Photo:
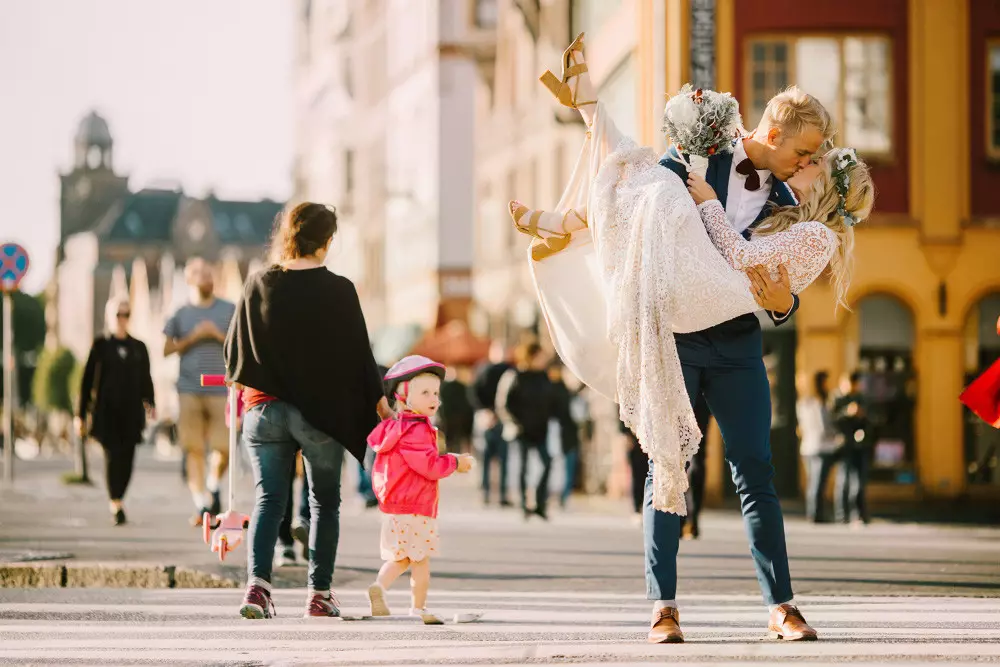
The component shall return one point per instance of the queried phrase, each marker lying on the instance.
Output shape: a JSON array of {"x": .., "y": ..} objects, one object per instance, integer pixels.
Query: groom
[{"x": 724, "y": 364}]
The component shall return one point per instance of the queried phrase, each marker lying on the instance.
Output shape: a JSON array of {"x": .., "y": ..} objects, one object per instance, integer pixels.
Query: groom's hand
[{"x": 772, "y": 295}]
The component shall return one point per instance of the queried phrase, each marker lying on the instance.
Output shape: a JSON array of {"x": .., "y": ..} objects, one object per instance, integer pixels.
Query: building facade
[
  {"x": 116, "y": 242},
  {"x": 386, "y": 100}
]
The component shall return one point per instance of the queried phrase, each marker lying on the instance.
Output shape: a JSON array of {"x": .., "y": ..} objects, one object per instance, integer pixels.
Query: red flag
[{"x": 983, "y": 395}]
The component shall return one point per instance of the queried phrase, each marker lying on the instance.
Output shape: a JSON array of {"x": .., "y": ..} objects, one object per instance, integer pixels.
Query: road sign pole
[{"x": 8, "y": 391}]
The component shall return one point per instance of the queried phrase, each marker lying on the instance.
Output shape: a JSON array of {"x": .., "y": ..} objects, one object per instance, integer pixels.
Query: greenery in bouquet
[{"x": 702, "y": 122}]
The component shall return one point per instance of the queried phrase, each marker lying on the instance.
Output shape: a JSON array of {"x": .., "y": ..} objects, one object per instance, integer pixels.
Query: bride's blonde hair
[{"x": 823, "y": 204}]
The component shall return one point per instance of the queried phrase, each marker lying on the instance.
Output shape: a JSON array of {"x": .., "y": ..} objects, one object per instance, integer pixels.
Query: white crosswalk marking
[{"x": 201, "y": 627}]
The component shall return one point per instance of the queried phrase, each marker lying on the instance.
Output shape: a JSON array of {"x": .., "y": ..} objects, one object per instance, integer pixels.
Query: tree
[
  {"x": 53, "y": 390},
  {"x": 29, "y": 335}
]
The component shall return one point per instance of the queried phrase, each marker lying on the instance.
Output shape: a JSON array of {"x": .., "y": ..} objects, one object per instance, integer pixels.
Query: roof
[
  {"x": 147, "y": 215},
  {"x": 93, "y": 131},
  {"x": 244, "y": 223}
]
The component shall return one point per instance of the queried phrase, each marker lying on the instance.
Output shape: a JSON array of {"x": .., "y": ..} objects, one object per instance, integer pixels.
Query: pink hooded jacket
[{"x": 408, "y": 466}]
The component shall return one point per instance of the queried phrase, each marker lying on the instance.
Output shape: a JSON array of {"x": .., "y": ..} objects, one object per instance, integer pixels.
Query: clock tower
[{"x": 92, "y": 188}]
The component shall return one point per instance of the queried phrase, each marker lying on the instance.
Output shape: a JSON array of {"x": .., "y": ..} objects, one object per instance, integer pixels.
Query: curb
[{"x": 108, "y": 575}]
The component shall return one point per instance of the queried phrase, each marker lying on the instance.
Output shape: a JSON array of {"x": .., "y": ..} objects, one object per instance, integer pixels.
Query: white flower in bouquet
[
  {"x": 702, "y": 122},
  {"x": 681, "y": 110}
]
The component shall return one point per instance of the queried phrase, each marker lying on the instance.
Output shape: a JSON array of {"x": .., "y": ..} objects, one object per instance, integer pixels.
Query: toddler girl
[{"x": 405, "y": 479}]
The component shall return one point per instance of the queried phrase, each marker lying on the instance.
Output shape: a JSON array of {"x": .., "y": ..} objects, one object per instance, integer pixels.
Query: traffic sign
[{"x": 13, "y": 265}]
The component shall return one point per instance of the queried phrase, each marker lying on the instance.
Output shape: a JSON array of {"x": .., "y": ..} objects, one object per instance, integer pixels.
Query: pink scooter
[{"x": 230, "y": 527}]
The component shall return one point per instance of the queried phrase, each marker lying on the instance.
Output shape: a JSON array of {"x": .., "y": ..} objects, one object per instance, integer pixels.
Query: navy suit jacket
[{"x": 739, "y": 337}]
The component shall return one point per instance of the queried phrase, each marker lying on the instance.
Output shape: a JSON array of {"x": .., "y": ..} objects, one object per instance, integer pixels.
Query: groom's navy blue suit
[{"x": 725, "y": 365}]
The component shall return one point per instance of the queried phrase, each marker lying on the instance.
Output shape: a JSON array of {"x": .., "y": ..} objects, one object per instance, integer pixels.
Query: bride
[{"x": 634, "y": 255}]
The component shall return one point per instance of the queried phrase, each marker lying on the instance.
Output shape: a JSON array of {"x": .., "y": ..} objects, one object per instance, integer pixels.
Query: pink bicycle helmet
[{"x": 407, "y": 368}]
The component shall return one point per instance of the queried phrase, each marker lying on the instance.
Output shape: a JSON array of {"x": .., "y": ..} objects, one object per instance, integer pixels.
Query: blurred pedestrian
[
  {"x": 638, "y": 463},
  {"x": 695, "y": 494},
  {"x": 569, "y": 431},
  {"x": 819, "y": 440},
  {"x": 196, "y": 333},
  {"x": 853, "y": 420},
  {"x": 496, "y": 447},
  {"x": 526, "y": 402},
  {"x": 457, "y": 413},
  {"x": 116, "y": 394}
]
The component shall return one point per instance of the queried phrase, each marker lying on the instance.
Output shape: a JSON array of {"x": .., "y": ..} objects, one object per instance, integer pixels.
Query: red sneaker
[
  {"x": 257, "y": 603},
  {"x": 322, "y": 606}
]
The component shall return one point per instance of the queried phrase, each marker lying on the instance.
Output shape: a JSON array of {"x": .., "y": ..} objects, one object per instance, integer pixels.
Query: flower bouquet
[{"x": 701, "y": 123}]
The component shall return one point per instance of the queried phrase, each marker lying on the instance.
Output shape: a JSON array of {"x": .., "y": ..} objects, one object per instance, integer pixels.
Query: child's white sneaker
[
  {"x": 376, "y": 597},
  {"x": 427, "y": 617}
]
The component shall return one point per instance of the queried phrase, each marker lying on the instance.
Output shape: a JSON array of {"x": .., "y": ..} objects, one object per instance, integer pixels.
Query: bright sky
[{"x": 195, "y": 91}]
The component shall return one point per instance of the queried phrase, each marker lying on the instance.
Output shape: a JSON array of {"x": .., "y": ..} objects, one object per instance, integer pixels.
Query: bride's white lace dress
[{"x": 651, "y": 264}]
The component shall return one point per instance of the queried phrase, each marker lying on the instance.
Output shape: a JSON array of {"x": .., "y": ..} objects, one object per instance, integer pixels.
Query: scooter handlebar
[{"x": 213, "y": 380}]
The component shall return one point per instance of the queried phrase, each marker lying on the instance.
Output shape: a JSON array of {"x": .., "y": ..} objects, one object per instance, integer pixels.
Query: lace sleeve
[{"x": 805, "y": 248}]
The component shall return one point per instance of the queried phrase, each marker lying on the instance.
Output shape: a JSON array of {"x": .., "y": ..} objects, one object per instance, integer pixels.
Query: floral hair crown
[{"x": 844, "y": 160}]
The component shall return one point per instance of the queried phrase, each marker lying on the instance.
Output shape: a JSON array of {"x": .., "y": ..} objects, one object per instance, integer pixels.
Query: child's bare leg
[
  {"x": 387, "y": 574},
  {"x": 420, "y": 581},
  {"x": 391, "y": 571}
]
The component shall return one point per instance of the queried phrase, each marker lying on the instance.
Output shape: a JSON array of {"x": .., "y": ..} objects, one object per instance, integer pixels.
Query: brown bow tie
[{"x": 746, "y": 168}]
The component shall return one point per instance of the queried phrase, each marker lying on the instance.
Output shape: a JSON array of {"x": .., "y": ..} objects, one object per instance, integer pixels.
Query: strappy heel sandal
[
  {"x": 561, "y": 88},
  {"x": 543, "y": 246}
]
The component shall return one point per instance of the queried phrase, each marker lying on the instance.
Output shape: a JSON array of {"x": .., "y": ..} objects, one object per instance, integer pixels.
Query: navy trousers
[{"x": 738, "y": 395}]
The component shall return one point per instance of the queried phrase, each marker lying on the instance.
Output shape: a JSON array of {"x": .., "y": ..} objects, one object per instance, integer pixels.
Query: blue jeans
[
  {"x": 739, "y": 398},
  {"x": 496, "y": 448},
  {"x": 849, "y": 497},
  {"x": 542, "y": 490},
  {"x": 818, "y": 468},
  {"x": 365, "y": 478},
  {"x": 274, "y": 432},
  {"x": 285, "y": 532},
  {"x": 572, "y": 460}
]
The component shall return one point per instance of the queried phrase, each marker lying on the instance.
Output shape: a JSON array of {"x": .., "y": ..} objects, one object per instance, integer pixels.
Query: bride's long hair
[{"x": 822, "y": 205}]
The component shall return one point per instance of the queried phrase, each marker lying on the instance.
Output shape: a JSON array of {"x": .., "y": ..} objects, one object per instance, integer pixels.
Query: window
[
  {"x": 850, "y": 74},
  {"x": 589, "y": 15},
  {"x": 618, "y": 95},
  {"x": 134, "y": 223},
  {"x": 993, "y": 99},
  {"x": 348, "y": 172},
  {"x": 486, "y": 13}
]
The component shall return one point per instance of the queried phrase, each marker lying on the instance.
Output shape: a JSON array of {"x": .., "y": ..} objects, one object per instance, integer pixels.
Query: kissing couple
[{"x": 648, "y": 275}]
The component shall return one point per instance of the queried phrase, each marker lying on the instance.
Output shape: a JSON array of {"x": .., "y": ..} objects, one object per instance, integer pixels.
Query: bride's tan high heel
[
  {"x": 543, "y": 246},
  {"x": 564, "y": 92}
]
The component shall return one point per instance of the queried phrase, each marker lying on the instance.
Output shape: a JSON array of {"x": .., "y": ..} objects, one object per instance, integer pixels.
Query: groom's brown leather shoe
[
  {"x": 786, "y": 622},
  {"x": 666, "y": 627}
]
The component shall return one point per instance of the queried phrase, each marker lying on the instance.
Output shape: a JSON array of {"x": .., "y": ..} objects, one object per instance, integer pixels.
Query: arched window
[
  {"x": 888, "y": 383},
  {"x": 94, "y": 157}
]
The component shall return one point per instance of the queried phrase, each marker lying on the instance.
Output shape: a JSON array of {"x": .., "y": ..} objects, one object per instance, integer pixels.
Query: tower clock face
[{"x": 83, "y": 188}]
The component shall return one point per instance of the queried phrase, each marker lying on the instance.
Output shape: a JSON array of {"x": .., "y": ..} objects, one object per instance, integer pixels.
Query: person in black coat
[
  {"x": 484, "y": 393},
  {"x": 526, "y": 401},
  {"x": 117, "y": 394}
]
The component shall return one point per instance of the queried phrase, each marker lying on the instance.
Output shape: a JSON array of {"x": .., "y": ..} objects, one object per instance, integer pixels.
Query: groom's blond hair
[{"x": 792, "y": 111}]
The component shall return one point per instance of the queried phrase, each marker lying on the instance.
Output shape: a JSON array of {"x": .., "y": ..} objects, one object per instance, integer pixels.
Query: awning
[{"x": 453, "y": 345}]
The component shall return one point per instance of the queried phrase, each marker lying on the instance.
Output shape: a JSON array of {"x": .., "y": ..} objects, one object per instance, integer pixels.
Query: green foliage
[{"x": 53, "y": 379}]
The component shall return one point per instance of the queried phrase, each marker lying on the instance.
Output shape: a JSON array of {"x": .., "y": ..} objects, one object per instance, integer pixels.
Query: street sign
[{"x": 13, "y": 265}]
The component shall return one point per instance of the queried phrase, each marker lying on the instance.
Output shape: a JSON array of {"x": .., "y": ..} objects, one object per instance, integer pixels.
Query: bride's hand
[{"x": 700, "y": 190}]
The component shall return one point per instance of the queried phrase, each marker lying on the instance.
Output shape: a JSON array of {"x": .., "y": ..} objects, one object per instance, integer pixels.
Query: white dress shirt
[{"x": 742, "y": 205}]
